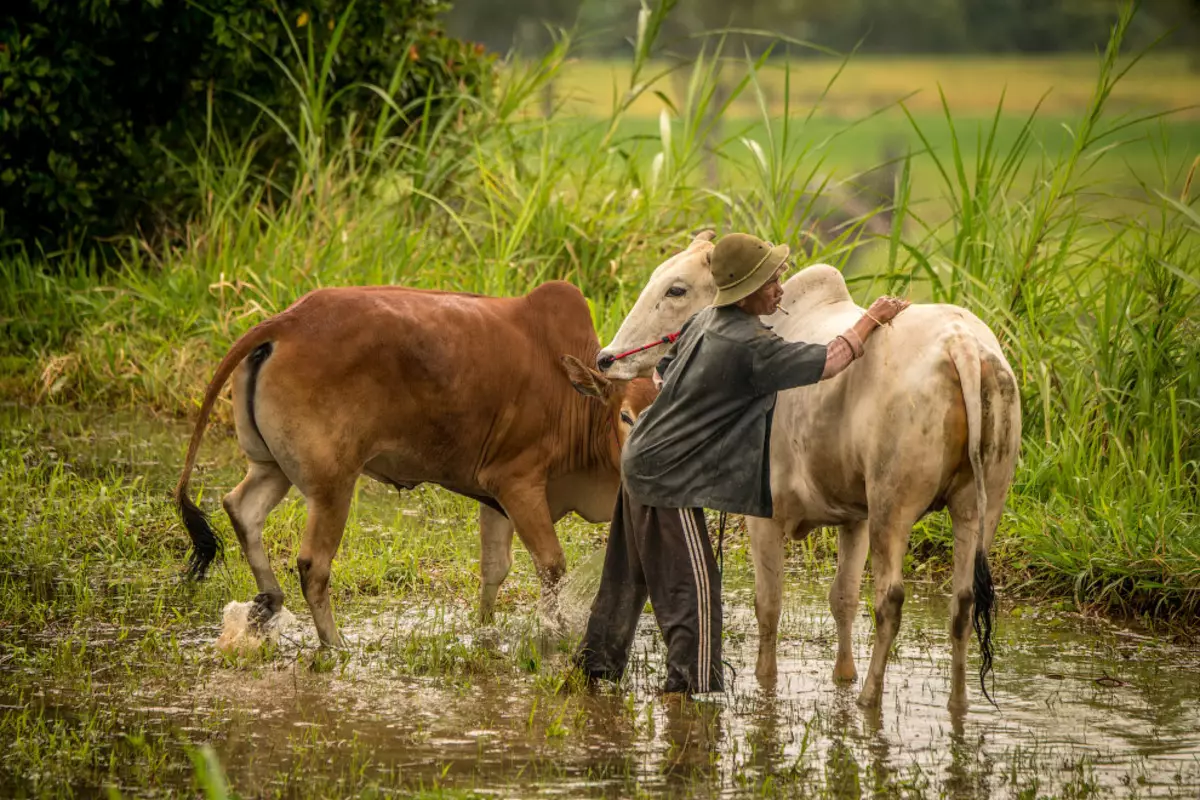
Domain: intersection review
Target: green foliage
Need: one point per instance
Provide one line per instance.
(1087, 275)
(1077, 240)
(1099, 317)
(106, 105)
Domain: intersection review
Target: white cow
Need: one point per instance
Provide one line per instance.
(929, 418)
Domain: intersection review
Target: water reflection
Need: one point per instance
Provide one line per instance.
(427, 697)
(501, 729)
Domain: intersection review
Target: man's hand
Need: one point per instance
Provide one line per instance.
(881, 312)
(658, 381)
(885, 309)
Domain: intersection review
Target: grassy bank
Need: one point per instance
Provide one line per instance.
(1079, 246)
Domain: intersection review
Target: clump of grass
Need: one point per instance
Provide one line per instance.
(1091, 288)
(1098, 314)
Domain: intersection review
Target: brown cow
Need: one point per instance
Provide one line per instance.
(411, 386)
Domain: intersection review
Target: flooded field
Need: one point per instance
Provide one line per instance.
(109, 678)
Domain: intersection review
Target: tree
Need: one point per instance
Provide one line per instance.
(100, 100)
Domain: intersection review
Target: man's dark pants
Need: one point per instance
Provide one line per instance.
(663, 553)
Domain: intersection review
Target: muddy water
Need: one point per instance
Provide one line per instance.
(425, 698)
(1082, 709)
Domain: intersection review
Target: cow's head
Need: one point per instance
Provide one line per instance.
(624, 400)
(679, 287)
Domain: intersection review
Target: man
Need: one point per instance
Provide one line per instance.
(704, 444)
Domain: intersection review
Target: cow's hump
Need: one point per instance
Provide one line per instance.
(560, 307)
(813, 288)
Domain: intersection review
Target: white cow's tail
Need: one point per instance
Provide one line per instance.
(964, 352)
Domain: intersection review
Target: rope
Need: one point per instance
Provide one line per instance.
(608, 361)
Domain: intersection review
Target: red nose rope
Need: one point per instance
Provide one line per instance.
(607, 361)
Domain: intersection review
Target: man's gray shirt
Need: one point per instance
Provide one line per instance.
(704, 443)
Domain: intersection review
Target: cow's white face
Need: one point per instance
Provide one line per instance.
(679, 287)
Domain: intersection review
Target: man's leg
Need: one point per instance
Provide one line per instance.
(685, 590)
(619, 602)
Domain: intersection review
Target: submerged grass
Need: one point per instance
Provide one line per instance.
(109, 682)
(1092, 288)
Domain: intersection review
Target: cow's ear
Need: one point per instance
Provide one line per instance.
(587, 381)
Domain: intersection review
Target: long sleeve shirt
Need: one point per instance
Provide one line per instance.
(705, 441)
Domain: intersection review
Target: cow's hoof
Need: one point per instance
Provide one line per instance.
(868, 699)
(958, 702)
(549, 622)
(266, 606)
(844, 673)
(334, 642)
(767, 675)
(489, 637)
(766, 668)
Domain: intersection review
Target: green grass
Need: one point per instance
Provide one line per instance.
(870, 142)
(1075, 239)
(1074, 235)
(95, 616)
(109, 682)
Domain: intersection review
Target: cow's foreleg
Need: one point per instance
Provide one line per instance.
(327, 512)
(766, 548)
(530, 514)
(889, 534)
(248, 506)
(844, 594)
(495, 558)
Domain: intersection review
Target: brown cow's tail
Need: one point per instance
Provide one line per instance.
(205, 543)
(964, 351)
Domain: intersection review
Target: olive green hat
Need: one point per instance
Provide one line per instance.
(742, 263)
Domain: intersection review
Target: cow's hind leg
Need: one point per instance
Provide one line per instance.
(496, 532)
(844, 594)
(962, 600)
(327, 512)
(889, 531)
(965, 521)
(248, 506)
(766, 548)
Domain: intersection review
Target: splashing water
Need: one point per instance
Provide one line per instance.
(240, 635)
(577, 591)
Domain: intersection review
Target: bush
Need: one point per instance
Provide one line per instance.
(102, 100)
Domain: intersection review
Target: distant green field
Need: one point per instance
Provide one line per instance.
(879, 109)
(973, 85)
(1150, 156)
(847, 145)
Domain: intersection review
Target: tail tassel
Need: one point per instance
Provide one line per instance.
(983, 617)
(206, 545)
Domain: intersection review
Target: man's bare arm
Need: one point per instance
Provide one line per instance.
(849, 346)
